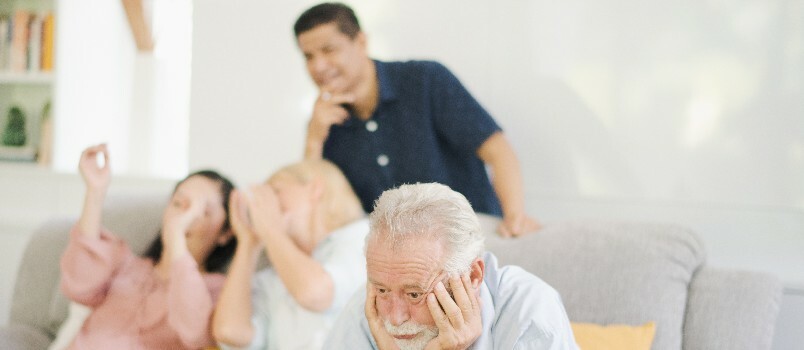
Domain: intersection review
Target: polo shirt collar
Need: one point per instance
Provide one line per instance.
(387, 92)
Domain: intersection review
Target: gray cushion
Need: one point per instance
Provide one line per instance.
(613, 273)
(38, 276)
(740, 304)
(22, 337)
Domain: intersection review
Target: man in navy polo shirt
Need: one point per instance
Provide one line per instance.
(390, 123)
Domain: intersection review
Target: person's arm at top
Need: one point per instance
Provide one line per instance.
(498, 154)
(465, 124)
(232, 321)
(96, 178)
(305, 278)
(91, 258)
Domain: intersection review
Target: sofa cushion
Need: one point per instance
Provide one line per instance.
(22, 337)
(742, 304)
(37, 277)
(590, 336)
(613, 273)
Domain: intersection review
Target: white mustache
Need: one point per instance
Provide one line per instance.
(407, 328)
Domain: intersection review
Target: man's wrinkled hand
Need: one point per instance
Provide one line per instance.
(458, 321)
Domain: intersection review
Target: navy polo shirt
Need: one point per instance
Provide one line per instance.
(426, 128)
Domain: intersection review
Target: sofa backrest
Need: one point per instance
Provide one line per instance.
(613, 273)
(37, 300)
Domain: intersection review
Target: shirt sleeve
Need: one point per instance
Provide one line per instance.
(536, 338)
(457, 116)
(191, 300)
(351, 330)
(260, 318)
(89, 265)
(346, 265)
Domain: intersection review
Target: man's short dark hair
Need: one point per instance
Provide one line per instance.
(328, 12)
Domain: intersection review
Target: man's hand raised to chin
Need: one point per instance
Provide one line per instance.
(458, 320)
(328, 110)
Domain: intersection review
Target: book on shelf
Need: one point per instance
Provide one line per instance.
(20, 30)
(48, 32)
(27, 41)
(34, 62)
(5, 41)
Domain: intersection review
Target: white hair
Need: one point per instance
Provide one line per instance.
(429, 211)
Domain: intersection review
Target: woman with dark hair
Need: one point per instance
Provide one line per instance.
(165, 299)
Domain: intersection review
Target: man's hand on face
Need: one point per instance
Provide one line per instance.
(328, 110)
(458, 321)
(384, 340)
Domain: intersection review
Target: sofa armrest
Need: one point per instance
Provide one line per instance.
(21, 337)
(730, 309)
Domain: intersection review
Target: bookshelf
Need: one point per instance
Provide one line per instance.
(27, 54)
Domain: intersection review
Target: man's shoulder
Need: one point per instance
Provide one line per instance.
(512, 281)
(351, 330)
(516, 285)
(414, 66)
(524, 301)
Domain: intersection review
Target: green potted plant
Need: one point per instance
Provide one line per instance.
(14, 134)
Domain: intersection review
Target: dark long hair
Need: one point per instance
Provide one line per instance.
(219, 258)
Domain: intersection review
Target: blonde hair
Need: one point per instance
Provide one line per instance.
(338, 200)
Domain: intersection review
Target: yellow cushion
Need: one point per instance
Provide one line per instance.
(591, 336)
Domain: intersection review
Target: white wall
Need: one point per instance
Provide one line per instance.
(107, 91)
(685, 104)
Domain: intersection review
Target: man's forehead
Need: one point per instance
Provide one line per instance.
(321, 33)
(384, 243)
(407, 257)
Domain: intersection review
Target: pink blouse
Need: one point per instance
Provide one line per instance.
(132, 307)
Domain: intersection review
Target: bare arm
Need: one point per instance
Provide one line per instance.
(306, 279)
(507, 182)
(96, 178)
(232, 320)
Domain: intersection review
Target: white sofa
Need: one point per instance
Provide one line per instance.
(606, 272)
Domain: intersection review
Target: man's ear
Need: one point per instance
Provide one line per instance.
(476, 272)
(362, 40)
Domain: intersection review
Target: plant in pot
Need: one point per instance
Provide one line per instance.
(14, 134)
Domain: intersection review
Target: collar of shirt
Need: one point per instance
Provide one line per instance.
(387, 92)
(487, 317)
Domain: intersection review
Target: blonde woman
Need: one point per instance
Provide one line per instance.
(311, 226)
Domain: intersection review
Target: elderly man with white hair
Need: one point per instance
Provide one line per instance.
(431, 285)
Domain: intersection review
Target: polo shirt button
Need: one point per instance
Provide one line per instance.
(371, 126)
(382, 160)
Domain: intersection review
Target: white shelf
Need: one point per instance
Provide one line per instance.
(31, 78)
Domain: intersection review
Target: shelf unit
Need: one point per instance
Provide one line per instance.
(30, 90)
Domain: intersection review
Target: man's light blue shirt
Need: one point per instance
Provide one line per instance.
(519, 311)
